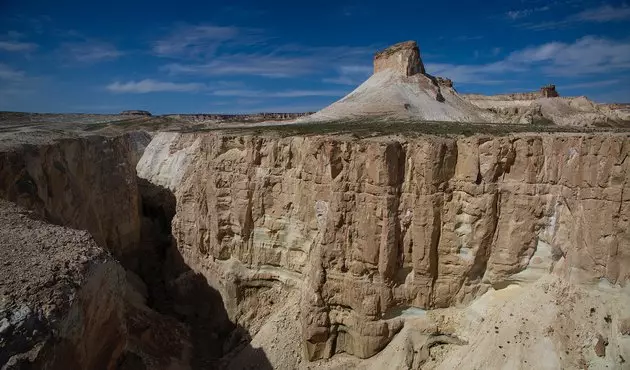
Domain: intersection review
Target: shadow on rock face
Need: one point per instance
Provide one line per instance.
(177, 291)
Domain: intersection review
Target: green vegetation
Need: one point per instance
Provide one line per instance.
(362, 128)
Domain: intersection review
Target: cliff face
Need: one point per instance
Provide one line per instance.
(362, 229)
(88, 183)
(403, 58)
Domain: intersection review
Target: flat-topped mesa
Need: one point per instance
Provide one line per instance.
(403, 58)
(549, 91)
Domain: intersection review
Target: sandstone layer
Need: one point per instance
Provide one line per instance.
(361, 231)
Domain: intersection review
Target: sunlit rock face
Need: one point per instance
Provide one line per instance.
(403, 58)
(360, 228)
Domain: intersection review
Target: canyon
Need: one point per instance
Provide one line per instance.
(304, 245)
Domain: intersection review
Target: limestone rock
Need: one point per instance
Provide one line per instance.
(403, 58)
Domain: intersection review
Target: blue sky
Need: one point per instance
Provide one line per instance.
(285, 56)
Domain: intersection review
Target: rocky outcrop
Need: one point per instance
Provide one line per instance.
(547, 107)
(66, 304)
(363, 229)
(549, 91)
(403, 58)
(249, 118)
(88, 183)
(135, 113)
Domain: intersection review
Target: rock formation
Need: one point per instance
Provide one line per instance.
(549, 91)
(66, 304)
(278, 248)
(400, 88)
(135, 113)
(360, 230)
(88, 183)
(402, 58)
(547, 107)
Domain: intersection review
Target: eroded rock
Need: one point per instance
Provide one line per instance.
(360, 227)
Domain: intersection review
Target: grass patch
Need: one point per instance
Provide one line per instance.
(363, 128)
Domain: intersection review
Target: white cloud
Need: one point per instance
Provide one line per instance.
(605, 13)
(226, 51)
(236, 64)
(278, 94)
(523, 13)
(17, 46)
(11, 43)
(586, 56)
(285, 61)
(9, 73)
(202, 40)
(585, 85)
(149, 86)
(350, 75)
(602, 14)
(90, 51)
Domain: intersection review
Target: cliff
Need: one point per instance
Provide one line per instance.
(403, 58)
(87, 182)
(360, 230)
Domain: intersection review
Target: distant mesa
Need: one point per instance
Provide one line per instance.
(135, 113)
(401, 88)
(549, 91)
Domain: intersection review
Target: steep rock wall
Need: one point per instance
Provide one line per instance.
(365, 228)
(88, 183)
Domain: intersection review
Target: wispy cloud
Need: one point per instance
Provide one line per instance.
(591, 84)
(202, 40)
(283, 61)
(350, 75)
(150, 86)
(10, 74)
(468, 38)
(278, 94)
(241, 64)
(602, 14)
(586, 56)
(11, 42)
(523, 13)
(605, 13)
(90, 51)
(17, 46)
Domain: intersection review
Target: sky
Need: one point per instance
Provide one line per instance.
(291, 56)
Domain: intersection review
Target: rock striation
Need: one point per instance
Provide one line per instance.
(88, 183)
(402, 58)
(360, 230)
